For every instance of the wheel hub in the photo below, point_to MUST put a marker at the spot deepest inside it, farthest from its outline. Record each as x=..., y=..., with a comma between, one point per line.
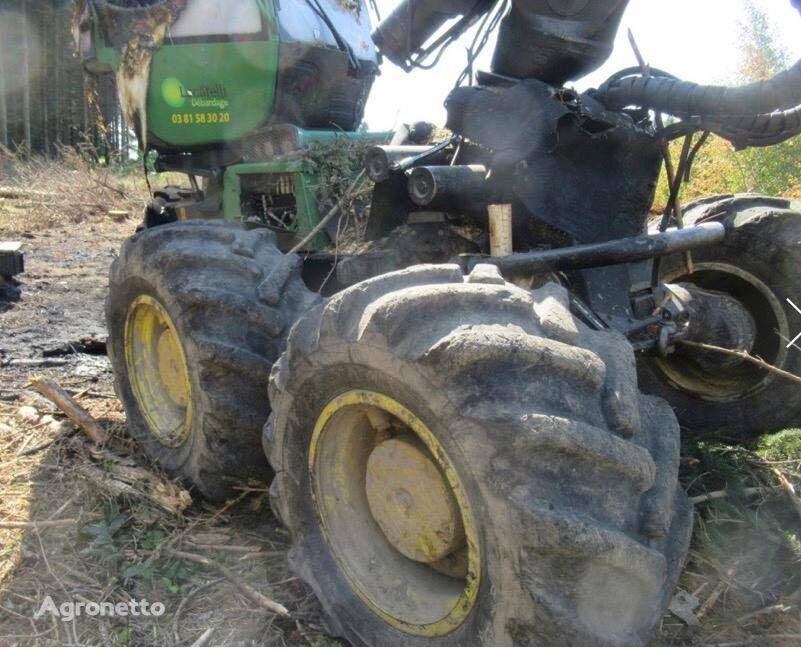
x=411, y=502
x=158, y=372
x=759, y=327
x=394, y=513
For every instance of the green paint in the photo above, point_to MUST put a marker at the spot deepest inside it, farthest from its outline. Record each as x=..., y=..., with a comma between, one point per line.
x=173, y=92
x=207, y=93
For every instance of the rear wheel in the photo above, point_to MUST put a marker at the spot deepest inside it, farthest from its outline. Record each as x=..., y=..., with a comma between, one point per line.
x=757, y=264
x=460, y=461
x=197, y=312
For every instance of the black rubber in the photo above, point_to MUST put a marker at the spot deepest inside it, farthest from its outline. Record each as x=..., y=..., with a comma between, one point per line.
x=571, y=471
x=763, y=235
x=233, y=298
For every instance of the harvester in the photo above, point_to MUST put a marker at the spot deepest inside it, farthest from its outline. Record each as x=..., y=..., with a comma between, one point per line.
x=473, y=416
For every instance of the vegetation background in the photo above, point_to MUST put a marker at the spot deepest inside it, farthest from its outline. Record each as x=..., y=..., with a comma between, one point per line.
x=719, y=169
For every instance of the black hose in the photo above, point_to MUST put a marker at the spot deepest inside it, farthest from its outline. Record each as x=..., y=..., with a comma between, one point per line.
x=670, y=95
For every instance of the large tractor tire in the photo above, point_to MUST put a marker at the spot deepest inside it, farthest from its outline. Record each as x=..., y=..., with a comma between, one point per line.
x=197, y=313
x=460, y=461
x=759, y=264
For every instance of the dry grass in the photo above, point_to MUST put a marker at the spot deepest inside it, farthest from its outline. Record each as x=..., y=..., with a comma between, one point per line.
x=744, y=566
x=119, y=549
x=42, y=193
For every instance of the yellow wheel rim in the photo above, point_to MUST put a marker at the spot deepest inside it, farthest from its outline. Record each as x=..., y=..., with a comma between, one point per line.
x=158, y=372
x=425, y=599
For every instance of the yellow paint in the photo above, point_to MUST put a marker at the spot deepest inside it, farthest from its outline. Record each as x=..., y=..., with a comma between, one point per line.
x=411, y=502
x=467, y=598
x=158, y=372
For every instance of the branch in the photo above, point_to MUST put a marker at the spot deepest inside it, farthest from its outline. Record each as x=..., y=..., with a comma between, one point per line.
x=745, y=357
x=56, y=394
x=351, y=191
x=246, y=590
x=29, y=525
x=789, y=488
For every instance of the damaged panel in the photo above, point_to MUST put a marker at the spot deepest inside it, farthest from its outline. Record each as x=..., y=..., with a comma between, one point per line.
x=578, y=168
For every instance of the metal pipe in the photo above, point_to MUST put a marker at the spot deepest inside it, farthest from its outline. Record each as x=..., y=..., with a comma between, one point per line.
x=444, y=187
x=619, y=251
x=380, y=161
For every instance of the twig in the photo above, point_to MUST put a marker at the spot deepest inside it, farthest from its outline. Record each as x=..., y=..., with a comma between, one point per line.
x=723, y=494
x=788, y=487
x=192, y=593
x=52, y=391
x=203, y=638
x=122, y=194
x=778, y=608
x=32, y=525
x=225, y=547
x=246, y=590
x=745, y=357
x=331, y=214
x=717, y=592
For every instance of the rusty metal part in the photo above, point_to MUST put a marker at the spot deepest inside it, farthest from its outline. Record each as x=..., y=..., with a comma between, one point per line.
x=411, y=501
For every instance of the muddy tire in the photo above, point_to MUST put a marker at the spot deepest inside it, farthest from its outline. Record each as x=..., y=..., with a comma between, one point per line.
x=564, y=474
x=758, y=263
x=197, y=313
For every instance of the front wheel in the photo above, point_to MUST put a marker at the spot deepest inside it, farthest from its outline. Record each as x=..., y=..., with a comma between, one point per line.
x=460, y=462
x=757, y=264
x=197, y=313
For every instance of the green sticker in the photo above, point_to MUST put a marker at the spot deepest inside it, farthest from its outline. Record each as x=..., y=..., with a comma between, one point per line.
x=173, y=92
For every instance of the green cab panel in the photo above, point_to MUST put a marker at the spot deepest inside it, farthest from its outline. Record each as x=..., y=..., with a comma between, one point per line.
x=213, y=92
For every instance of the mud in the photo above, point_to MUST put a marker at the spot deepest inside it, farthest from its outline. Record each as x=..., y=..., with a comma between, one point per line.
x=60, y=308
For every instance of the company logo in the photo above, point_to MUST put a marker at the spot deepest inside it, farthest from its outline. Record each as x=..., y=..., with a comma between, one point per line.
x=172, y=90
x=204, y=96
x=70, y=610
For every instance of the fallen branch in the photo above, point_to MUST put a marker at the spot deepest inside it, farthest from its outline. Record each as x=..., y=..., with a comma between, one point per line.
x=138, y=484
x=21, y=193
x=57, y=204
x=56, y=394
x=789, y=488
x=744, y=356
x=32, y=525
x=176, y=618
x=723, y=494
x=717, y=592
x=778, y=608
x=246, y=590
x=168, y=495
x=203, y=638
x=349, y=194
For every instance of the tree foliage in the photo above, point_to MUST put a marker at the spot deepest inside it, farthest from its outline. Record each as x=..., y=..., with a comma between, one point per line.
x=719, y=169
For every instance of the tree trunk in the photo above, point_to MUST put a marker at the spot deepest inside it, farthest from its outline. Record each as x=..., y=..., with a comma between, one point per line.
x=26, y=79
x=3, y=96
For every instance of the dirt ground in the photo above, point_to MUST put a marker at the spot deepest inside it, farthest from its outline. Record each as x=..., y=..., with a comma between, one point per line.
x=742, y=581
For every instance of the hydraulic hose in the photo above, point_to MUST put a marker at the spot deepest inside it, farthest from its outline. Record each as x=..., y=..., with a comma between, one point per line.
x=684, y=98
x=757, y=114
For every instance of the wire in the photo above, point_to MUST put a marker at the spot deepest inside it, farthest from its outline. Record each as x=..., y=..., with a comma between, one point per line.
x=481, y=39
x=374, y=6
x=439, y=46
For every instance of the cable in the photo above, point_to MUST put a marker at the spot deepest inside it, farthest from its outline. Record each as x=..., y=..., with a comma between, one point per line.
x=474, y=51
